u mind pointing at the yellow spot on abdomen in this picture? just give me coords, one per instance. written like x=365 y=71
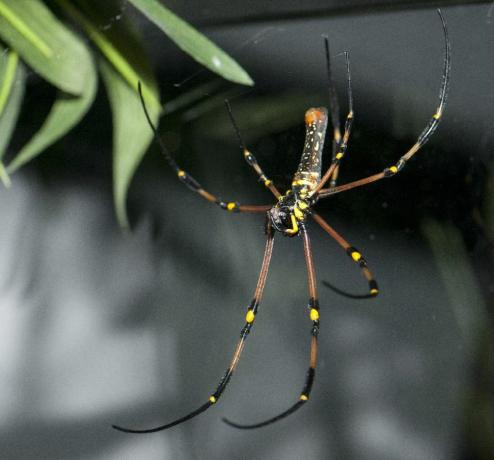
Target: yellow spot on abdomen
x=356 y=256
x=304 y=398
x=374 y=291
x=339 y=156
x=393 y=169
x=231 y=206
x=212 y=399
x=181 y=173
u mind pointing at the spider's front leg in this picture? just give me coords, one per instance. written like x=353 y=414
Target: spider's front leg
x=421 y=140
x=192 y=184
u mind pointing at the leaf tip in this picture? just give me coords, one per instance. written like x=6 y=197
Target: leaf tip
x=4 y=177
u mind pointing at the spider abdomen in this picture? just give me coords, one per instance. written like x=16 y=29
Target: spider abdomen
x=309 y=169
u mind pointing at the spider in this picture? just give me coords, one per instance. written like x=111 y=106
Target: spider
x=292 y=211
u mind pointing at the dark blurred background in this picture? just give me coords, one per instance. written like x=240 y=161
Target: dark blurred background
x=102 y=327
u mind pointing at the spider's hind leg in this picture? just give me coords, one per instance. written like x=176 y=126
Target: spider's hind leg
x=314 y=317
x=356 y=256
x=249 y=321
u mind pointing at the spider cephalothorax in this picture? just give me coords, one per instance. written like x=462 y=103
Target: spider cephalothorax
x=290 y=212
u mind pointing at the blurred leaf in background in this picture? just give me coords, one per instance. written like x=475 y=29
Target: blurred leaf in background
x=40 y=34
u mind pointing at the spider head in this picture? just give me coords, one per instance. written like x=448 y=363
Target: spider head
x=279 y=215
x=288 y=213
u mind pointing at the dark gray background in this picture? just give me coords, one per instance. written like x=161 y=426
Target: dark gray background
x=99 y=327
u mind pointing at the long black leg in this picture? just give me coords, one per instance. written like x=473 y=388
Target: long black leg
x=249 y=321
x=332 y=171
x=355 y=255
x=188 y=180
x=250 y=158
x=314 y=316
x=333 y=101
x=424 y=136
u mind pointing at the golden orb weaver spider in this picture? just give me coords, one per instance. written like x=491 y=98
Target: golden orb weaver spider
x=289 y=215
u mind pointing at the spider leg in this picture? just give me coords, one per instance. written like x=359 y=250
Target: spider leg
x=421 y=140
x=249 y=321
x=333 y=100
x=188 y=180
x=332 y=172
x=355 y=255
x=314 y=316
x=250 y=158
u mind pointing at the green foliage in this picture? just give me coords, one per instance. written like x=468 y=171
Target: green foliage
x=40 y=34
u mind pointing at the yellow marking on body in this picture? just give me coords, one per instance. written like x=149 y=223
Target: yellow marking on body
x=374 y=291
x=393 y=169
x=299 y=215
x=339 y=156
x=301 y=182
x=356 y=256
x=314 y=314
x=294 y=228
x=246 y=153
x=231 y=206
x=437 y=115
x=267 y=182
x=250 y=316
x=304 y=398
x=302 y=205
x=212 y=399
x=181 y=173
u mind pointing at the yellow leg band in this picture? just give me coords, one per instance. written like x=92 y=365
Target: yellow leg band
x=249 y=317
x=314 y=314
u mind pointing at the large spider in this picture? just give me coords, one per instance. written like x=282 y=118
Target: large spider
x=291 y=212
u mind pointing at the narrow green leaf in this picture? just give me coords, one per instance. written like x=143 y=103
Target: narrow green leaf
x=8 y=67
x=12 y=89
x=12 y=81
x=119 y=43
x=44 y=43
x=458 y=276
x=131 y=134
x=193 y=42
x=20 y=25
x=66 y=112
x=4 y=177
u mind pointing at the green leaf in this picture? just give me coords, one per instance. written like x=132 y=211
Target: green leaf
x=119 y=43
x=66 y=112
x=12 y=78
x=131 y=134
x=8 y=67
x=4 y=177
x=12 y=84
x=193 y=42
x=44 y=43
